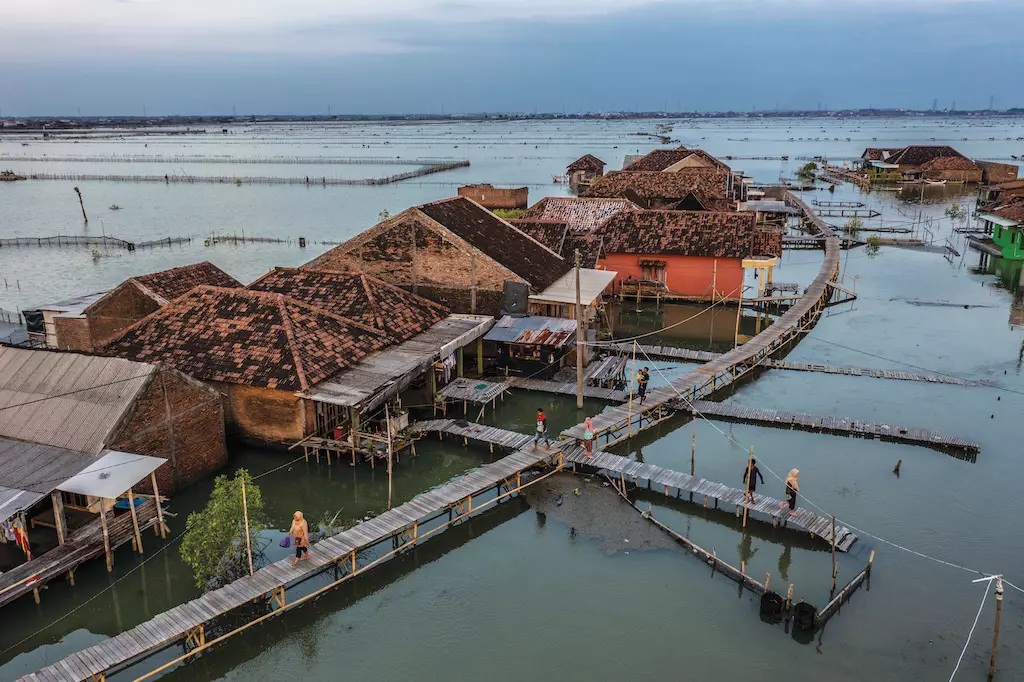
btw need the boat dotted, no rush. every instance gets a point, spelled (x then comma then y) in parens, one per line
(557, 179)
(10, 176)
(936, 182)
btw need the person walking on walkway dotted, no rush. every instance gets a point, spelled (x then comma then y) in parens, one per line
(300, 531)
(750, 475)
(588, 438)
(642, 377)
(542, 430)
(792, 488)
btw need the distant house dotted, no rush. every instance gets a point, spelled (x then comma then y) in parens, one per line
(693, 254)
(453, 251)
(132, 300)
(584, 170)
(876, 154)
(672, 160)
(1006, 223)
(699, 188)
(993, 195)
(923, 161)
(493, 197)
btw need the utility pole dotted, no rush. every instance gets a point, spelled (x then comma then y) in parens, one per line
(245, 514)
(387, 418)
(580, 338)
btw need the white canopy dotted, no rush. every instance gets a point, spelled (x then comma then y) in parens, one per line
(592, 285)
(111, 475)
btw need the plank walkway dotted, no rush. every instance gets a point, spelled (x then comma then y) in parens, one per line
(340, 550)
(627, 469)
(568, 388)
(83, 544)
(840, 425)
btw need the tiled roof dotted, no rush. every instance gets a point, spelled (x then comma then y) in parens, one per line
(557, 236)
(254, 338)
(1012, 184)
(587, 162)
(398, 313)
(917, 154)
(1011, 211)
(940, 163)
(703, 182)
(878, 153)
(583, 215)
(498, 239)
(170, 284)
(661, 159)
(550, 233)
(688, 233)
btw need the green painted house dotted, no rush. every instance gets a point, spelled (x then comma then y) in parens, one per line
(1006, 224)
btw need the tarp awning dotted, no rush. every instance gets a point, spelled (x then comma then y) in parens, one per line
(592, 285)
(112, 474)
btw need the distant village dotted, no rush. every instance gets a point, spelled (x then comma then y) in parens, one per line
(167, 366)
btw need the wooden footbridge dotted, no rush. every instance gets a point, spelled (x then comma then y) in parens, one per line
(959, 447)
(350, 553)
(632, 471)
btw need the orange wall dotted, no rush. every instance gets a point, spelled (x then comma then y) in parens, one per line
(687, 275)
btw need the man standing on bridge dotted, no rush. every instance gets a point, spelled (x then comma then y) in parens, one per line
(750, 475)
(542, 430)
(642, 377)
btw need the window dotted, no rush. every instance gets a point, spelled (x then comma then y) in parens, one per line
(653, 270)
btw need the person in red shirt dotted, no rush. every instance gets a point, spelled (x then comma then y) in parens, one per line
(542, 429)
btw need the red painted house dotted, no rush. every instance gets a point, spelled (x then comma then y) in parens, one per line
(691, 253)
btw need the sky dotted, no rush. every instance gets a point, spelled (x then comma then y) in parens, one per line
(107, 57)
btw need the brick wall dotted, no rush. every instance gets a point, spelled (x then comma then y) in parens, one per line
(422, 259)
(994, 173)
(72, 333)
(180, 420)
(490, 196)
(121, 308)
(954, 175)
(264, 415)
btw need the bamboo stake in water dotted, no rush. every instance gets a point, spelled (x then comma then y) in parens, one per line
(245, 514)
(387, 416)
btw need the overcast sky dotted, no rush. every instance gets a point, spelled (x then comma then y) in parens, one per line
(422, 56)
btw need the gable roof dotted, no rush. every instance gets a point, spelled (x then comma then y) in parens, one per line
(498, 239)
(559, 237)
(1014, 210)
(581, 214)
(394, 311)
(917, 154)
(705, 183)
(662, 159)
(67, 400)
(688, 233)
(940, 163)
(168, 285)
(587, 162)
(255, 338)
(879, 153)
(1010, 184)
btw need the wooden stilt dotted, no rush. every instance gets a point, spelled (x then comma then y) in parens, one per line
(135, 520)
(159, 509)
(106, 535)
(58, 516)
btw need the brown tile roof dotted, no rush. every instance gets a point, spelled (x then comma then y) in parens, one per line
(583, 215)
(373, 302)
(587, 162)
(254, 338)
(706, 183)
(498, 239)
(940, 163)
(1013, 210)
(550, 233)
(170, 284)
(1012, 184)
(660, 159)
(878, 153)
(688, 233)
(918, 154)
(558, 236)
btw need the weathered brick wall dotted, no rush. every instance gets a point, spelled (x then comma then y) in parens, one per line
(421, 259)
(953, 175)
(994, 173)
(490, 196)
(190, 437)
(72, 333)
(121, 308)
(264, 415)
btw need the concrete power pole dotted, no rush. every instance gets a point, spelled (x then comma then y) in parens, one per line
(580, 338)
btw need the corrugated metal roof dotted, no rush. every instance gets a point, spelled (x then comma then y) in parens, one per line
(94, 395)
(38, 468)
(112, 474)
(13, 501)
(73, 306)
(533, 330)
(592, 285)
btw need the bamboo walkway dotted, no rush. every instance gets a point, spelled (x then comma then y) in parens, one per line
(629, 470)
(964, 449)
(567, 388)
(82, 545)
(401, 527)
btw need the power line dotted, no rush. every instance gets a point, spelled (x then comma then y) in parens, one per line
(971, 633)
(77, 390)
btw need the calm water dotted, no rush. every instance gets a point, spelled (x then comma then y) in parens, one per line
(515, 594)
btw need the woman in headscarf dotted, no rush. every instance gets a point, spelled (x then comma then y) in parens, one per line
(300, 531)
(588, 437)
(792, 488)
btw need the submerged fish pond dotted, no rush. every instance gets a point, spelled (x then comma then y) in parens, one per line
(587, 588)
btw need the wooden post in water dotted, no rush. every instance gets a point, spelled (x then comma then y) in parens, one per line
(739, 309)
(245, 515)
(135, 520)
(995, 633)
(479, 356)
(387, 417)
(833, 553)
(82, 204)
(580, 338)
(629, 405)
(159, 510)
(58, 516)
(106, 536)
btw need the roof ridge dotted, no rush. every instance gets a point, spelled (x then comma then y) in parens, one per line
(372, 299)
(293, 345)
